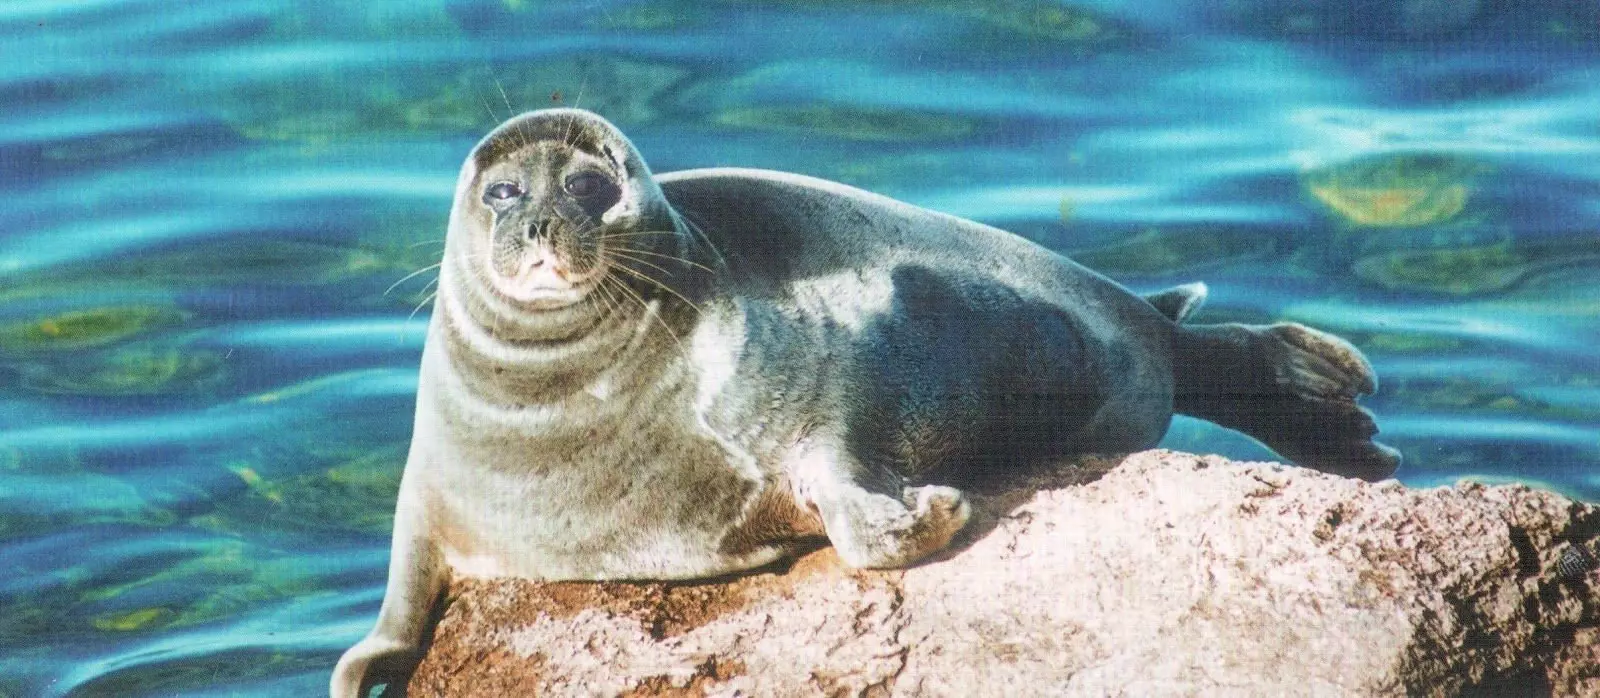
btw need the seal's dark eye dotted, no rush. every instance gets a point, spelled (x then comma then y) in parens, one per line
(504, 190)
(586, 184)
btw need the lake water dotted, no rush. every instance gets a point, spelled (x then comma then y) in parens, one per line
(209, 336)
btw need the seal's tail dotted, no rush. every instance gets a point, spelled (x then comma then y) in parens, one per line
(1290, 386)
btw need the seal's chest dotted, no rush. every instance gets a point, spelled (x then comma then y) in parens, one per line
(649, 503)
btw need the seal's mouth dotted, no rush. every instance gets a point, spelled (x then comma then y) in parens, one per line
(542, 279)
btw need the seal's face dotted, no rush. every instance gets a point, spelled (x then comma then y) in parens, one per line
(557, 195)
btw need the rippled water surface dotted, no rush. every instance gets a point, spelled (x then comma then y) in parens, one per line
(209, 339)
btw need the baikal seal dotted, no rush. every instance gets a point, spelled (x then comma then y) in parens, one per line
(639, 377)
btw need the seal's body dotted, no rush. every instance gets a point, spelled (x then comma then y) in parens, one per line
(639, 377)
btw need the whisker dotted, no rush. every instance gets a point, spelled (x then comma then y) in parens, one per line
(412, 275)
(645, 277)
(414, 245)
(573, 122)
(612, 305)
(637, 234)
(694, 228)
(425, 300)
(493, 118)
(675, 258)
(646, 307)
(510, 110)
(624, 254)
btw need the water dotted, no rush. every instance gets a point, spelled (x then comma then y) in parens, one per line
(206, 378)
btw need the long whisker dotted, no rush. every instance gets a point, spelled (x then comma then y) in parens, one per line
(694, 228)
(611, 302)
(646, 307)
(412, 275)
(675, 258)
(413, 245)
(573, 122)
(425, 300)
(625, 255)
(493, 118)
(510, 110)
(636, 234)
(646, 277)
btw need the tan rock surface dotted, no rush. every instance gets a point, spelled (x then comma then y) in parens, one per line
(1164, 574)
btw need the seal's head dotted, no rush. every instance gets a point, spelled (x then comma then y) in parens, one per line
(549, 204)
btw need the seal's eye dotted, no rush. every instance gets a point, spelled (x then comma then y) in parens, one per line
(504, 190)
(586, 184)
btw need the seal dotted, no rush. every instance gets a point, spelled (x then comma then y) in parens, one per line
(633, 377)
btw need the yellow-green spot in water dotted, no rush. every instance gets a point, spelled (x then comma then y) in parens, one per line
(849, 122)
(258, 484)
(86, 329)
(1395, 190)
(135, 620)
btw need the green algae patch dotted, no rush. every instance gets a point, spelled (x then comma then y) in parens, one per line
(1455, 271)
(357, 495)
(128, 372)
(190, 674)
(1006, 20)
(1159, 252)
(849, 122)
(34, 503)
(1041, 19)
(652, 17)
(86, 329)
(229, 579)
(1464, 395)
(242, 261)
(1395, 191)
(142, 619)
(327, 107)
(1402, 343)
(1445, 264)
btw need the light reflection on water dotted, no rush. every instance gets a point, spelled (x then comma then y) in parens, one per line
(207, 380)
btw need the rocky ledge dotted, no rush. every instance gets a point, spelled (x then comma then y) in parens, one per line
(1157, 574)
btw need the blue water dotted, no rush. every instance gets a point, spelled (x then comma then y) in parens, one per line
(208, 353)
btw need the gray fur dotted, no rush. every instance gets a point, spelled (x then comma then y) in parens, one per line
(790, 357)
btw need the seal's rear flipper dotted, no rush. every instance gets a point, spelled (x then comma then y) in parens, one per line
(1288, 385)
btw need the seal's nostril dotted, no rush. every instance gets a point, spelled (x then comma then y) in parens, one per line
(540, 228)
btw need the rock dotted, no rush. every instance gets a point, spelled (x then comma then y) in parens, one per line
(1162, 574)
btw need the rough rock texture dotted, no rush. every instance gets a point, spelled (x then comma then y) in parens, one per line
(1162, 574)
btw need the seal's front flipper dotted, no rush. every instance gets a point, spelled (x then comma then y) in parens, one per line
(389, 653)
(871, 519)
(1290, 386)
